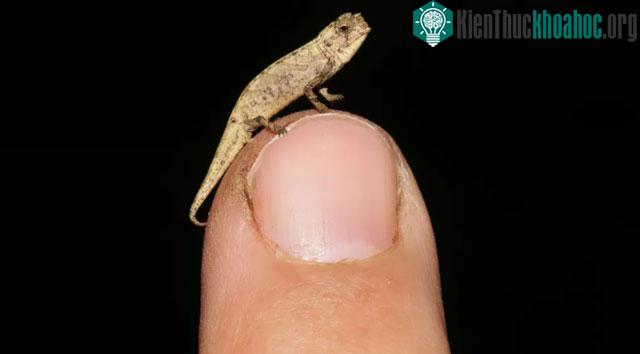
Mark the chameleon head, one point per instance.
(344, 36)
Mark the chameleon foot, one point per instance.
(329, 96)
(276, 129)
(261, 121)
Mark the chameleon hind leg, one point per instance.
(261, 121)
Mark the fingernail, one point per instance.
(326, 191)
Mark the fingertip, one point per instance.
(257, 287)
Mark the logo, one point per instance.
(432, 23)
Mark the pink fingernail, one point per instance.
(326, 191)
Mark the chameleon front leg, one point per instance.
(261, 121)
(308, 91)
(330, 96)
(321, 107)
(324, 75)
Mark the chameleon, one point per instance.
(287, 79)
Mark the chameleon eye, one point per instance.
(343, 28)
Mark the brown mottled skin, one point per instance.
(297, 73)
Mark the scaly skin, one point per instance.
(297, 73)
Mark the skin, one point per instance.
(256, 299)
(292, 76)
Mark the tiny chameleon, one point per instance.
(289, 78)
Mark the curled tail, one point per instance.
(233, 139)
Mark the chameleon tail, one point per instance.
(221, 160)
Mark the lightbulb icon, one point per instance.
(432, 22)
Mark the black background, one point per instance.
(525, 151)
